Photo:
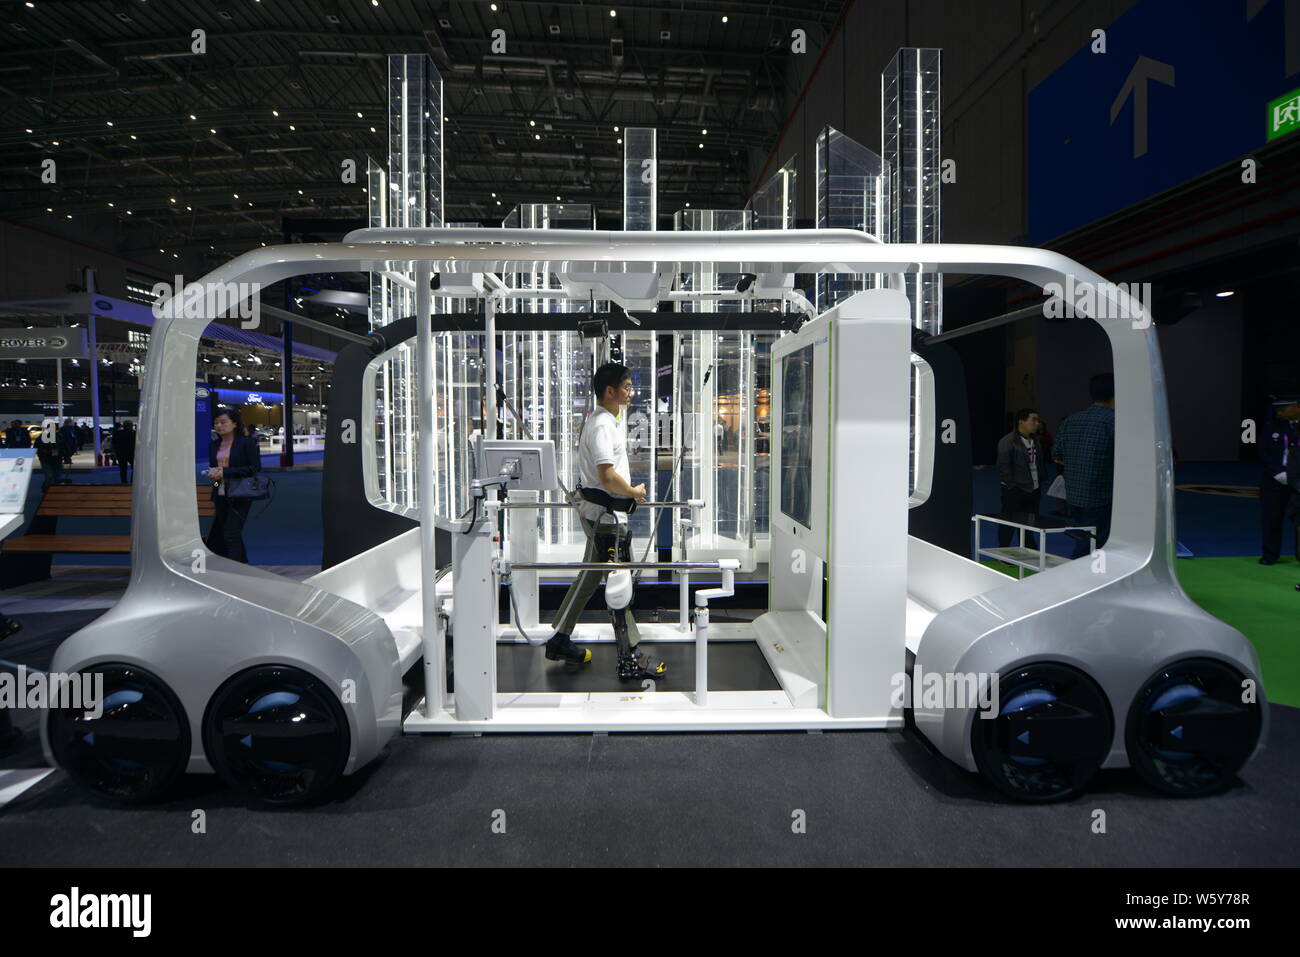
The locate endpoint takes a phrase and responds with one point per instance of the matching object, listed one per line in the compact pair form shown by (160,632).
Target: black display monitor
(797,435)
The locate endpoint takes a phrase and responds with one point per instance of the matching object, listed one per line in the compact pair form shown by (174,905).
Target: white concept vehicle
(281,687)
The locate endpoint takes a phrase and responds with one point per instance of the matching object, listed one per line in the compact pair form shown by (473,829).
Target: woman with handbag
(231,457)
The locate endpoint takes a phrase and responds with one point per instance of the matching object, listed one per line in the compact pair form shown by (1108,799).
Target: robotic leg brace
(633,663)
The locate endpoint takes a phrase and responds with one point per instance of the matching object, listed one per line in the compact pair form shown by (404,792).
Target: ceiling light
(532,122)
(616,129)
(1225,294)
(704,132)
(292,127)
(613,13)
(275,112)
(110,122)
(132,136)
(359,116)
(620,141)
(537,136)
(29,131)
(724,19)
(193,117)
(701,146)
(211,130)
(372,129)
(494,8)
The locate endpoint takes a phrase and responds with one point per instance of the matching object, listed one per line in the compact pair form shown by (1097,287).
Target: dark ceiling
(289,89)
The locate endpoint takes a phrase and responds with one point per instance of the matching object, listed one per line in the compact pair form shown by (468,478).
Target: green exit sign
(1284,115)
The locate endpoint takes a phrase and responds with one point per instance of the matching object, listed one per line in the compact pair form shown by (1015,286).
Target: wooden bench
(86,501)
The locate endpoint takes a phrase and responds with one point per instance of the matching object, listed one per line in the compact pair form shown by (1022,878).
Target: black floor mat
(733,666)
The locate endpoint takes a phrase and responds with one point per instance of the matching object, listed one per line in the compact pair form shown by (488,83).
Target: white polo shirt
(603,442)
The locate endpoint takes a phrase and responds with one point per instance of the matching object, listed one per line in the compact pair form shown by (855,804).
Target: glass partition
(910,139)
(713,382)
(852,193)
(775,204)
(640,207)
(546,376)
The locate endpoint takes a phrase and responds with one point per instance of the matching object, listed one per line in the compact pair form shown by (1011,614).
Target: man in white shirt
(607,496)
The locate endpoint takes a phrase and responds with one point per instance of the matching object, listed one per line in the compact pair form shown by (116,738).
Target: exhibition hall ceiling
(207,124)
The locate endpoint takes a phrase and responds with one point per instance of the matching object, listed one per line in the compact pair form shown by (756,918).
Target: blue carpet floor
(288,532)
(1211,525)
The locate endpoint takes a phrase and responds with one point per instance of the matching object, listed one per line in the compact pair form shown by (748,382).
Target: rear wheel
(1052,732)
(136,749)
(277,735)
(1189,731)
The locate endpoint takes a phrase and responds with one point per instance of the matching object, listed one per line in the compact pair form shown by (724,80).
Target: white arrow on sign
(1144,70)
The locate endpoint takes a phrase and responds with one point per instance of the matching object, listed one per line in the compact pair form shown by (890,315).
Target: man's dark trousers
(1273,500)
(1016,500)
(1098,517)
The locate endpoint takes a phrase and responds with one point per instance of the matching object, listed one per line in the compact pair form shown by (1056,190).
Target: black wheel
(277,735)
(1052,732)
(1189,731)
(136,749)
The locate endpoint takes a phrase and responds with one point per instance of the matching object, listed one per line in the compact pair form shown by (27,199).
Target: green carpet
(1260,601)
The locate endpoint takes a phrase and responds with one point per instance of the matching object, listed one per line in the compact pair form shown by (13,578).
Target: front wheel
(277,735)
(1052,732)
(136,748)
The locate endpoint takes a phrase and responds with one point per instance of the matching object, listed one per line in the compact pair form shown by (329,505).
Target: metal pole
(94,373)
(286,410)
(490,348)
(1028,312)
(434,650)
(684,602)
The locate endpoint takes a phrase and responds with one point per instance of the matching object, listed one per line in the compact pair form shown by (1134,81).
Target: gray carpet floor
(868,799)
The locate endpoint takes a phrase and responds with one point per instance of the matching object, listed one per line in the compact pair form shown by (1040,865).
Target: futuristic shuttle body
(283,686)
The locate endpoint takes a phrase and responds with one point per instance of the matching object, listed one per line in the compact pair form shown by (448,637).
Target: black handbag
(253,487)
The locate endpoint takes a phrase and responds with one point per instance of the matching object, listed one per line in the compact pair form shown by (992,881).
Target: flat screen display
(797,435)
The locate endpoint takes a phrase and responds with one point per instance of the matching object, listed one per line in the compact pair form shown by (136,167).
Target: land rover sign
(43,344)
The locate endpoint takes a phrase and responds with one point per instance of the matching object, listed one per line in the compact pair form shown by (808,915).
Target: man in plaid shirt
(1085,449)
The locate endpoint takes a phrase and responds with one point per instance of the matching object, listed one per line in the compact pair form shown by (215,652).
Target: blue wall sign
(1179,91)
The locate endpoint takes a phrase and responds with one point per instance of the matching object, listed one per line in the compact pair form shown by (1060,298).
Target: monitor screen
(797,435)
